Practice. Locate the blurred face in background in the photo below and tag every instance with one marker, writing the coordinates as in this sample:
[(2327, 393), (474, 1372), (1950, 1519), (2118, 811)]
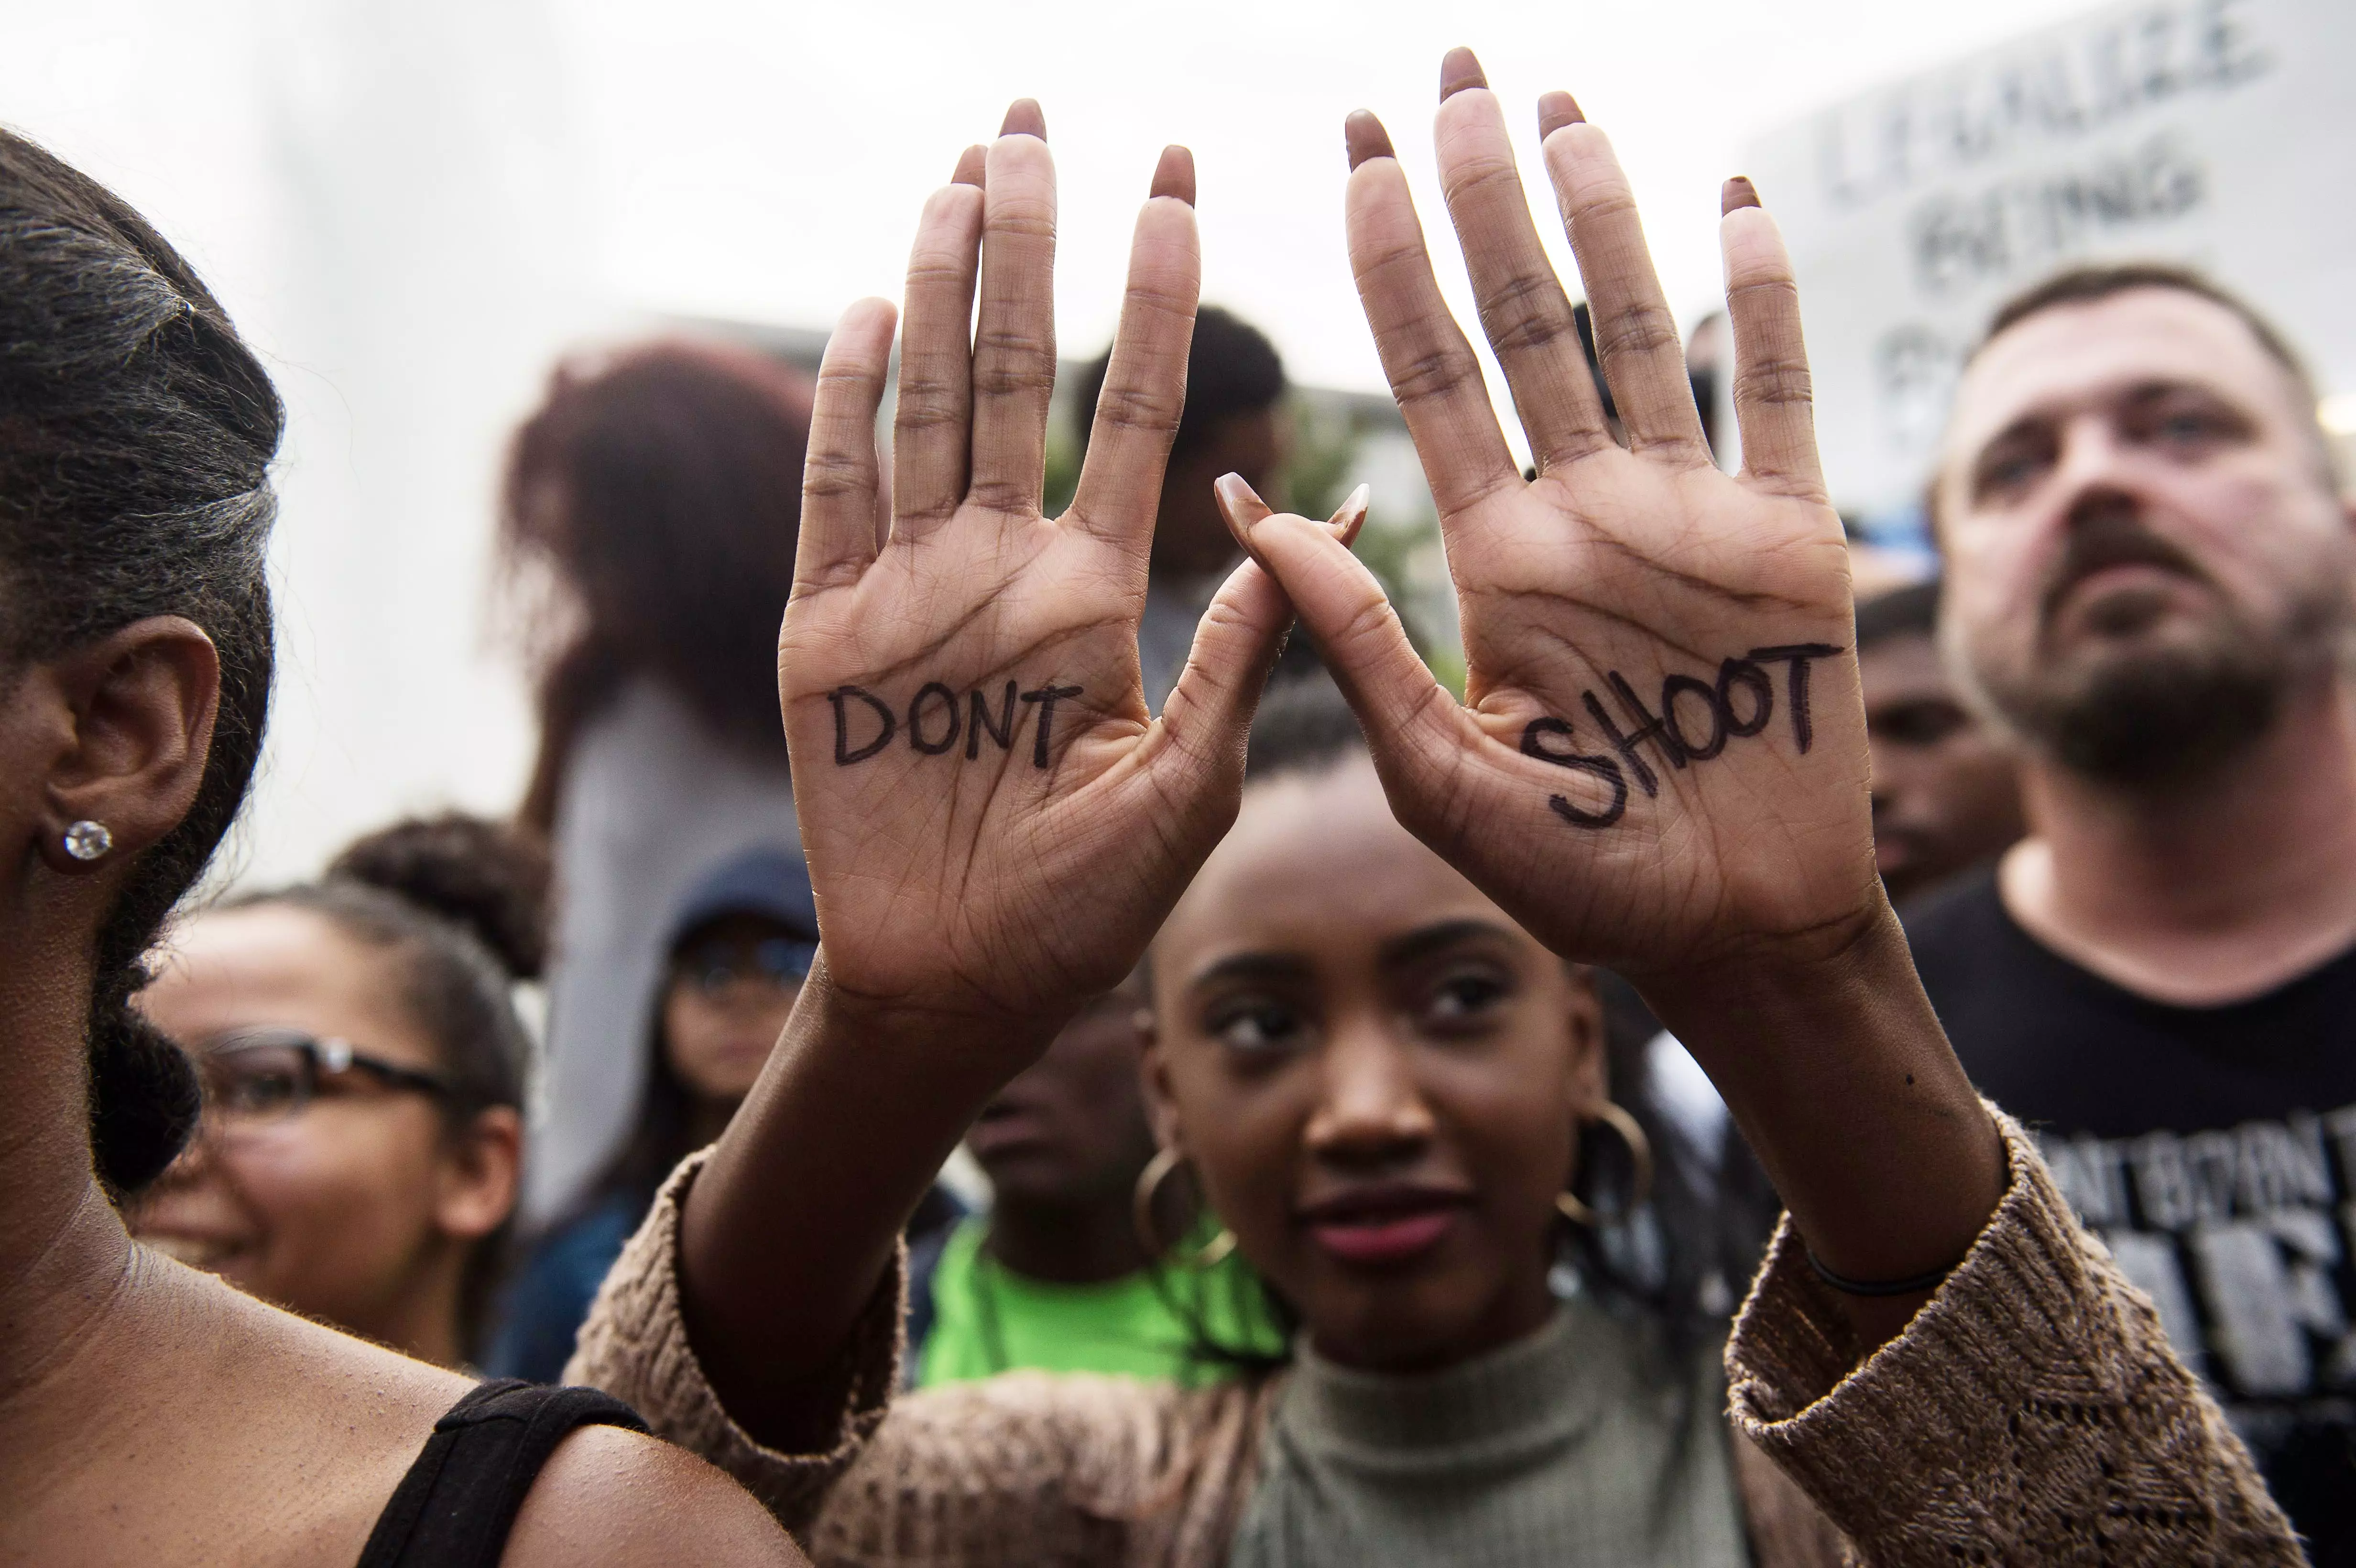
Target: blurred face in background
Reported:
[(350, 1196), (1190, 538), (1946, 789), (1377, 1074), (1071, 1131), (2145, 549), (733, 986)]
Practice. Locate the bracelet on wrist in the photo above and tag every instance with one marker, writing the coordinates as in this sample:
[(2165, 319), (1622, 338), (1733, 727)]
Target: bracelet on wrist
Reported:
[(1911, 1287)]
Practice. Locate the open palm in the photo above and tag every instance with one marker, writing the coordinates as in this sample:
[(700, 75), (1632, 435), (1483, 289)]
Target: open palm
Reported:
[(1662, 751), (994, 826)]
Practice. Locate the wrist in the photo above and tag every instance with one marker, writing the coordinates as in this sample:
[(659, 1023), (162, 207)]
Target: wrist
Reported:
[(989, 1039)]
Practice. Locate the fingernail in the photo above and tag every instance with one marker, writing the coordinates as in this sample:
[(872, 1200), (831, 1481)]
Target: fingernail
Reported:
[(1352, 512), (1460, 68), (1239, 502), (1557, 110), (1025, 118), (1364, 135), (970, 165), (1174, 175), (1737, 192)]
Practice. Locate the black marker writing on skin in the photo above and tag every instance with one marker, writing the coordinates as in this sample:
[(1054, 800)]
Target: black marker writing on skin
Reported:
[(1667, 730), (936, 718), (1046, 697)]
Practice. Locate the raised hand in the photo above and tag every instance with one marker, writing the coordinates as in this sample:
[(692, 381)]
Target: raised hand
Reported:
[(1661, 763), (994, 827), (1662, 750)]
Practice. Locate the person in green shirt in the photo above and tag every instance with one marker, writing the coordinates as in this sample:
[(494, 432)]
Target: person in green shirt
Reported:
[(1060, 1274)]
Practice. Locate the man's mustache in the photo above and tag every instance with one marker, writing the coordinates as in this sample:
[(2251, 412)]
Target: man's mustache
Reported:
[(2099, 544)]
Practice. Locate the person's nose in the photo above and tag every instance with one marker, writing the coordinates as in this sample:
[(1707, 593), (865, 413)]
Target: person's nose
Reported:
[(2096, 482), (1370, 1109)]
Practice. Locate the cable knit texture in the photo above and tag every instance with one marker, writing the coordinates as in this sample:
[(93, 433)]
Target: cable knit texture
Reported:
[(2032, 1413)]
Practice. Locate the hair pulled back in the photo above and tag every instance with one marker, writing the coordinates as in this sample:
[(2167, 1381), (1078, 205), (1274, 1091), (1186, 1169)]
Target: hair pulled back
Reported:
[(649, 515), (137, 432), (457, 906)]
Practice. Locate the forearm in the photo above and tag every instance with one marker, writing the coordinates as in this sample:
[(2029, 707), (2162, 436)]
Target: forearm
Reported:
[(1833, 1065), (790, 1228)]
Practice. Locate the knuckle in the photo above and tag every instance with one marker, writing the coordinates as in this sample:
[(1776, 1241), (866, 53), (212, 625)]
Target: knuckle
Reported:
[(1639, 330), (1438, 374), (1136, 409), (1525, 312)]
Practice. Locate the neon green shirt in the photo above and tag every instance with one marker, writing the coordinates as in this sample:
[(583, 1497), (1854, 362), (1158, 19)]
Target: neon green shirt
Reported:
[(990, 1320)]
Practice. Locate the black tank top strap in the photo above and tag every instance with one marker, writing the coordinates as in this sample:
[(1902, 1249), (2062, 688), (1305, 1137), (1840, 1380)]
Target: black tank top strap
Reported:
[(455, 1506)]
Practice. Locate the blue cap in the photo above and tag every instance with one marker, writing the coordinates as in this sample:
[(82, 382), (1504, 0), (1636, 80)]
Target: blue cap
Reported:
[(773, 883)]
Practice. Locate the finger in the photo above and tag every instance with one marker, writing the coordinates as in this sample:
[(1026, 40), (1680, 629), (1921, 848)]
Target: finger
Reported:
[(1145, 383), (934, 419), (1773, 405), (1014, 337), (1424, 353), (1209, 711), (1523, 310), (1403, 709), (840, 475), (971, 166), (1635, 337)]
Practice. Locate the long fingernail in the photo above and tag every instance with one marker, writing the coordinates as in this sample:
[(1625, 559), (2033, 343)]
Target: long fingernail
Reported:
[(1364, 135), (1737, 192), (1460, 68), (970, 165), (1352, 513), (1025, 118), (1557, 110), (1239, 502), (1174, 175)]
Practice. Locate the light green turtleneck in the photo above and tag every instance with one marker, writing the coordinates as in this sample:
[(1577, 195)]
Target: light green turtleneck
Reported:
[(1588, 1444)]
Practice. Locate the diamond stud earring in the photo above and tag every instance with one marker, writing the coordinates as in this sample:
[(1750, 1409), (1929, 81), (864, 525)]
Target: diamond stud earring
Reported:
[(88, 840)]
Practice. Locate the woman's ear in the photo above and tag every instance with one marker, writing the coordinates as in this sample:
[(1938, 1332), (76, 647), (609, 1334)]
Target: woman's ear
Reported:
[(481, 1174), (135, 722), (1590, 1075)]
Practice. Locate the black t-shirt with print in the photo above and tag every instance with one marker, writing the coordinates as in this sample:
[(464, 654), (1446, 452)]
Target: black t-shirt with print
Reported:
[(2212, 1149)]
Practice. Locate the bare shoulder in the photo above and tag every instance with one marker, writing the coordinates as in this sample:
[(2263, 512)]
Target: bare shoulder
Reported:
[(610, 1496)]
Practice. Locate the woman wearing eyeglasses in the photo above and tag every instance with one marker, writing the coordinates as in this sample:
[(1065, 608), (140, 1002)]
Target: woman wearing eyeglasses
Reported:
[(364, 1072), (735, 954)]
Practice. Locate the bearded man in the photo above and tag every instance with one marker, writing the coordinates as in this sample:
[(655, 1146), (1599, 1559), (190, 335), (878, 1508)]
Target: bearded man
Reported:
[(2151, 584)]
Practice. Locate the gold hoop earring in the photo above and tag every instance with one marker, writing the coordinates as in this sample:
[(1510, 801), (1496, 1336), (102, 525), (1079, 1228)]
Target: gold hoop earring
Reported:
[(1140, 1214), (1640, 1155)]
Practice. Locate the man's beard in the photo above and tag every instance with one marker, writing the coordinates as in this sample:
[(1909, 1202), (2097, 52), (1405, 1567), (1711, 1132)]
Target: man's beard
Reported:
[(2143, 717)]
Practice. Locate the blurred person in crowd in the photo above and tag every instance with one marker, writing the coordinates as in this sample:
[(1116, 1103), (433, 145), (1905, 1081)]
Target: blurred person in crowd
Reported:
[(1061, 1273), (152, 1414), (1370, 1046), (1946, 790), (1237, 421), (365, 1073), (734, 957), (649, 517), (2151, 570)]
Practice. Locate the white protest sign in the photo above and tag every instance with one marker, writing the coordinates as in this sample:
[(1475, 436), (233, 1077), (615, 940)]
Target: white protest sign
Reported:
[(2217, 132)]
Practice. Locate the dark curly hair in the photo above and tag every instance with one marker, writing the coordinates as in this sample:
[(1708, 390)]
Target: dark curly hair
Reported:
[(136, 433)]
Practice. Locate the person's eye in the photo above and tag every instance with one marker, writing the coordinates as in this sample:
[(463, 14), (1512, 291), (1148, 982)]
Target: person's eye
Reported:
[(1255, 1025), (1463, 997), (1918, 723), (260, 1093)]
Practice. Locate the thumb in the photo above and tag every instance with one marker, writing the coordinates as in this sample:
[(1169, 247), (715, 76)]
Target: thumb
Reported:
[(1399, 703)]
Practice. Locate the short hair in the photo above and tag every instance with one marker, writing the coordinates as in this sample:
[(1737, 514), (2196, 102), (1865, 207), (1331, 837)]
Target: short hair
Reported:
[(2088, 285), (1231, 369), (1909, 611)]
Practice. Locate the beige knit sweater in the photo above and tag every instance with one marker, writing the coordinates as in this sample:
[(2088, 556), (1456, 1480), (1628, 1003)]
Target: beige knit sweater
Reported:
[(2031, 1414)]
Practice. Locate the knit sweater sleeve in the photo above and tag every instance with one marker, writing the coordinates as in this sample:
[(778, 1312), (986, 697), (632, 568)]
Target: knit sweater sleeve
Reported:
[(635, 1347), (1025, 1468), (2032, 1411)]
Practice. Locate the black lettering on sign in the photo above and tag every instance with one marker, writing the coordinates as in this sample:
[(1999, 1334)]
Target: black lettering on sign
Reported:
[(1687, 703), (843, 753)]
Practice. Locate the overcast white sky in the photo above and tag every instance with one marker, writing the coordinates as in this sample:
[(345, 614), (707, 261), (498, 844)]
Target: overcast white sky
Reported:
[(411, 206)]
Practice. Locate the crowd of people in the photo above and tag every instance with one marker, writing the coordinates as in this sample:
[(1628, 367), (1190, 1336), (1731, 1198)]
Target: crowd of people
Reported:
[(1132, 1070)]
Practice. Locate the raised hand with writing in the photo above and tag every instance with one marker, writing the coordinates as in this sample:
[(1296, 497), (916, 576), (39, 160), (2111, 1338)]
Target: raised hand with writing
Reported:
[(994, 826), (1662, 751)]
